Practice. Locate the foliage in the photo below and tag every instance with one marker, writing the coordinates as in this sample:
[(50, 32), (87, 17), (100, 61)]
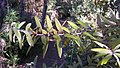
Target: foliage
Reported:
[(95, 22)]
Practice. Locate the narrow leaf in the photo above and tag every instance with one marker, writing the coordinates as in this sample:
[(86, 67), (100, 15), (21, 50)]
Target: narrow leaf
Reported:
[(21, 24), (66, 29), (118, 46), (58, 39), (102, 50), (49, 24), (88, 34), (73, 25), (100, 44), (18, 35), (29, 38), (38, 23), (118, 61), (82, 23), (106, 59), (117, 54), (45, 46), (107, 21), (58, 25), (28, 26), (10, 34), (44, 31), (71, 36)]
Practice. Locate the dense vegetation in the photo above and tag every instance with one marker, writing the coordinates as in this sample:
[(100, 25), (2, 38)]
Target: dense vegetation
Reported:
[(60, 33)]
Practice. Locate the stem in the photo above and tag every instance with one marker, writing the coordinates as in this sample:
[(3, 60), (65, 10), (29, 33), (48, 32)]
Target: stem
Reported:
[(44, 13)]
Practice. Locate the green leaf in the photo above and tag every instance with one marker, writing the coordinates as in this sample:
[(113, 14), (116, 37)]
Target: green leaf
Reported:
[(38, 23), (99, 55), (82, 23), (45, 46), (58, 25), (35, 60), (44, 65), (106, 59), (117, 54), (18, 35), (66, 29), (44, 31), (118, 50), (100, 44), (88, 34), (10, 34), (21, 24), (58, 39), (49, 24), (77, 42), (107, 21), (28, 26), (73, 25), (114, 43), (118, 46), (44, 40), (29, 38), (102, 50), (118, 61), (71, 36)]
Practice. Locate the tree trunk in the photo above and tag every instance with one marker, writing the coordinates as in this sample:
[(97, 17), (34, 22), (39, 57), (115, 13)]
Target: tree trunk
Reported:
[(2, 3)]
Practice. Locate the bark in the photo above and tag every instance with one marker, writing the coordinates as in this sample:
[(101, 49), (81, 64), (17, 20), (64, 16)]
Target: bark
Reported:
[(2, 3)]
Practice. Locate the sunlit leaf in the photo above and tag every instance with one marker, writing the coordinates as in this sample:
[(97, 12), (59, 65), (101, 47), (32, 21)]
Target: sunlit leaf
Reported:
[(106, 59), (28, 26), (82, 23), (71, 36), (66, 29), (44, 31), (88, 34), (49, 24), (44, 40), (18, 35), (118, 50), (99, 55), (21, 24), (118, 46), (77, 42), (10, 34), (54, 31), (73, 25), (29, 38), (58, 25), (117, 54), (102, 50), (38, 23), (118, 61), (100, 44), (58, 39)]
